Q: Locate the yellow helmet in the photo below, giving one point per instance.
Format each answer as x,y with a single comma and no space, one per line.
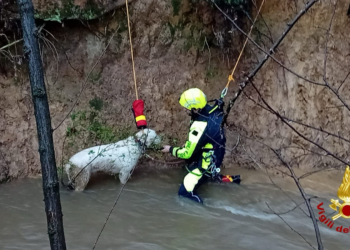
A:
193,99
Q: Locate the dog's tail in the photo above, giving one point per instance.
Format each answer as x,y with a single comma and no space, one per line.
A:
70,185
67,167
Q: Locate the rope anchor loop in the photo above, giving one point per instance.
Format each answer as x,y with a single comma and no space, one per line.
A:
224,91
230,78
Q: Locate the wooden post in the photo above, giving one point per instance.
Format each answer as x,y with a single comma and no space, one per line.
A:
43,122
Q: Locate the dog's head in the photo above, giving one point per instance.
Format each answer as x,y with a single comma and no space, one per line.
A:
148,136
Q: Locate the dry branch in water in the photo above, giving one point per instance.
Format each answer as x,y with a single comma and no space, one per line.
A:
307,200
290,226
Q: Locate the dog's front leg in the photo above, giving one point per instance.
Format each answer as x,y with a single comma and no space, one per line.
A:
124,176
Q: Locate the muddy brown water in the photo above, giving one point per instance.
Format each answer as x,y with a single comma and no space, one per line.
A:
150,215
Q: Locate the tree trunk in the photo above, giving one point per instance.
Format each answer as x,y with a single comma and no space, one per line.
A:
43,122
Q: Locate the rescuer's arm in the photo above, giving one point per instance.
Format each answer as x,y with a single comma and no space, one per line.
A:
196,133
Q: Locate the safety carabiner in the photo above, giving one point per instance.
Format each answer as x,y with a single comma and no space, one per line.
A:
224,92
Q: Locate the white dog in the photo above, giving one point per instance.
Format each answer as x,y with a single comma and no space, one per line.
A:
120,157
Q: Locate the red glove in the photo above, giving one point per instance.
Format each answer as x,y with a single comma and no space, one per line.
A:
140,118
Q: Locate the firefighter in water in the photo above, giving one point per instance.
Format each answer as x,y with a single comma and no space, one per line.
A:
204,149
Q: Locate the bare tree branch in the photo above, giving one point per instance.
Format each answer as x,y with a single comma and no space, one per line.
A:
252,158
327,40
243,84
258,30
335,92
307,201
262,18
341,84
10,44
86,80
301,123
307,215
337,95
295,130
282,172
273,49
314,172
290,226
295,207
318,129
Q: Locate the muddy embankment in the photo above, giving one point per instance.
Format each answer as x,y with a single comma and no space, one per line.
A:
178,44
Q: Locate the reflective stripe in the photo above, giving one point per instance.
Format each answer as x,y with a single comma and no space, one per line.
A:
140,117
196,196
208,146
211,111
191,180
175,149
206,159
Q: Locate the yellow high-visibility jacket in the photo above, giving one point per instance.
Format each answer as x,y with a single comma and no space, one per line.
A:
194,142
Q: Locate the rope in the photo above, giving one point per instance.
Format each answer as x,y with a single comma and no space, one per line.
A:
110,212
115,203
131,50
164,162
142,148
230,77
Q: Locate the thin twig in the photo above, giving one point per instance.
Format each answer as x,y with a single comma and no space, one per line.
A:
165,162
268,55
10,44
115,203
295,207
289,225
262,18
282,172
268,175
337,95
335,92
258,30
341,84
314,172
86,80
317,129
252,158
53,49
307,201
206,42
272,50
69,63
295,130
326,45
301,123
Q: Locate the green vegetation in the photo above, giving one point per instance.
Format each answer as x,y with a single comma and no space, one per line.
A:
123,25
174,28
193,42
71,11
88,124
94,77
194,38
96,104
87,128
176,6
211,72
